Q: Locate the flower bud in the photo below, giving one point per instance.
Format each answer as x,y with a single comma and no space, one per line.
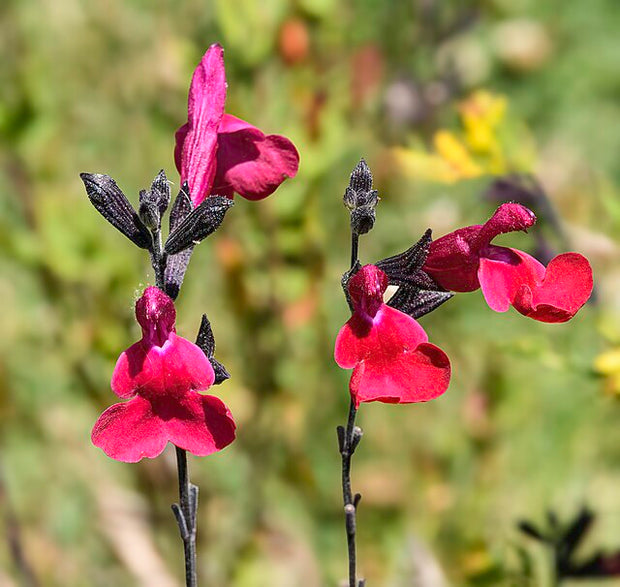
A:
361,199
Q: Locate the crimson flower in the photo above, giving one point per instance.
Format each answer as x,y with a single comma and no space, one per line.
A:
392,360
217,153
465,260
163,373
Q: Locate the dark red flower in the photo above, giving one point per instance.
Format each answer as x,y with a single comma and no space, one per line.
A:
163,373
217,153
389,352
465,260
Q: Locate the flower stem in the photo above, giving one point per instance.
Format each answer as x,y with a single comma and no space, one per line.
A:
348,439
158,260
185,513
355,238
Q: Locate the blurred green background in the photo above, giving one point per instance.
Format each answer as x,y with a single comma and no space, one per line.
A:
531,419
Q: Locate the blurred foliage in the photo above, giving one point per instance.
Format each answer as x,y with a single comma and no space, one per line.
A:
102,86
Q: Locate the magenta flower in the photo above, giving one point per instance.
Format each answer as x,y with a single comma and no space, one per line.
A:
465,260
389,352
217,153
163,373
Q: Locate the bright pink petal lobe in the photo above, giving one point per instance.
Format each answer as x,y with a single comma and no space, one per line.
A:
555,294
151,371
196,141
251,163
200,424
453,259
503,271
566,287
129,431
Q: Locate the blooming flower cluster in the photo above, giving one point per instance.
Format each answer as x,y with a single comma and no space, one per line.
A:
162,374
388,350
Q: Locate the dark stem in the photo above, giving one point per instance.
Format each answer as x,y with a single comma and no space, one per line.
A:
354,248
158,259
185,510
347,448
185,513
348,439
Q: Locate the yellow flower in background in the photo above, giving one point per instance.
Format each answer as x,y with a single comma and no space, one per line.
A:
455,155
607,364
449,164
418,164
481,114
485,145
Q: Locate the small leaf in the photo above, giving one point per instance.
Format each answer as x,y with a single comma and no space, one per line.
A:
221,373
198,225
206,341
112,204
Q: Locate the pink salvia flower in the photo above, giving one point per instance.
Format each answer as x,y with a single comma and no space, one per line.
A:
465,260
163,373
217,153
389,352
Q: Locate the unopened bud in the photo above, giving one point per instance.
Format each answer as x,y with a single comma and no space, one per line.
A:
363,219
361,199
149,211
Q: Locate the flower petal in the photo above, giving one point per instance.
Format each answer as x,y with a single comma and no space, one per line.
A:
201,424
410,377
503,271
129,431
553,294
566,287
128,366
196,141
172,369
393,361
251,163
387,335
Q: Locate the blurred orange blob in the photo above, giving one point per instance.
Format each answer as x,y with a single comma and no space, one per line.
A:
294,41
